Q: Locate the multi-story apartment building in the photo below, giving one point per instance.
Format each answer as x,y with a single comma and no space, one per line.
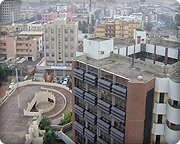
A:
25,44
28,14
34,26
60,44
10,10
118,99
117,29
149,17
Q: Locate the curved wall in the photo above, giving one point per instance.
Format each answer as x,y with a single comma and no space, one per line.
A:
173,114
174,90
171,136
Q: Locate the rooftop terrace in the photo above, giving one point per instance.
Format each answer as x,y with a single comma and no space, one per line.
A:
122,65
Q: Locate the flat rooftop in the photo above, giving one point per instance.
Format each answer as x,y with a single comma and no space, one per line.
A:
31,33
98,39
121,65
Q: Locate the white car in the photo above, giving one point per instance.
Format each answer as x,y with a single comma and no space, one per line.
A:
11,85
64,82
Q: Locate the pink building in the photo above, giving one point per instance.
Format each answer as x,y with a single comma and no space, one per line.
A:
46,17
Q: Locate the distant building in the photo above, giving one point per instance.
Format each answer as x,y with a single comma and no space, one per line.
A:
150,17
142,1
25,44
28,14
10,11
117,29
60,45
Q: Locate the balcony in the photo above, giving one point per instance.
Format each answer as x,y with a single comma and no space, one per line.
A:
79,110
159,108
117,135
79,74
78,127
90,99
104,106
173,113
103,126
101,141
90,136
158,129
105,85
90,79
79,93
118,114
171,134
90,117
119,92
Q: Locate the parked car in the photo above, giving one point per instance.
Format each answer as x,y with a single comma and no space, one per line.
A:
55,80
65,82
11,85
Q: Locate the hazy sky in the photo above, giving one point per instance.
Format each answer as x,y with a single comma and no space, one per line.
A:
2,0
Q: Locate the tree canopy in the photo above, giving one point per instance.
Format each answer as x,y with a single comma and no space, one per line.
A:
4,73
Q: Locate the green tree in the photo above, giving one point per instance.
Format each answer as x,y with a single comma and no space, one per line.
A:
4,73
70,85
67,118
177,19
148,26
49,137
45,123
83,27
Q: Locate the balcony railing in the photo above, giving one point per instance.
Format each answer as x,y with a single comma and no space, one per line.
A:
118,114
103,126
92,119
79,74
79,93
78,127
91,79
119,92
105,85
89,98
104,106
90,135
79,110
117,135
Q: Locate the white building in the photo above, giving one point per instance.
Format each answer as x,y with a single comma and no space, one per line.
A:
102,47
139,36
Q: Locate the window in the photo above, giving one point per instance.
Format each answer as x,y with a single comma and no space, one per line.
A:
160,119
119,125
92,128
52,54
80,84
30,50
80,102
105,137
92,109
80,138
161,98
119,103
106,97
158,137
79,119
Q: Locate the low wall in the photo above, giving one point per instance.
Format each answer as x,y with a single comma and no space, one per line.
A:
42,97
29,82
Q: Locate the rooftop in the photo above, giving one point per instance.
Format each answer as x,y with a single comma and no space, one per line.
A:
122,65
99,39
31,33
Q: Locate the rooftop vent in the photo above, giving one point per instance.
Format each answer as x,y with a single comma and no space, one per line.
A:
140,78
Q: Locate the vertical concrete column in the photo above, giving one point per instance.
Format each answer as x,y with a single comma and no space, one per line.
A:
166,56
154,54
134,51
126,51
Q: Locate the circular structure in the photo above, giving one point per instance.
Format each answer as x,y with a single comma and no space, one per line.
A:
44,101
14,129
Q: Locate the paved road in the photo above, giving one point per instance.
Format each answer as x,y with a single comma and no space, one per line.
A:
13,129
